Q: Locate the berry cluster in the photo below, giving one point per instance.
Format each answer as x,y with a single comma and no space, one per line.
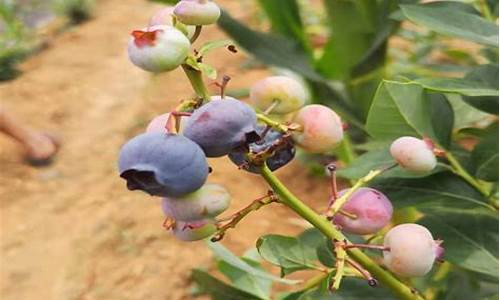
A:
169,160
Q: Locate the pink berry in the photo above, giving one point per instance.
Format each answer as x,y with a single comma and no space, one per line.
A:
197,12
413,154
412,250
158,48
321,128
158,124
208,202
288,94
164,17
372,209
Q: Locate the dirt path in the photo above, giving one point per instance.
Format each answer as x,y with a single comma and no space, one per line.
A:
72,231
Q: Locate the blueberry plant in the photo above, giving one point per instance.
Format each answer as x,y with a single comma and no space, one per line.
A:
421,153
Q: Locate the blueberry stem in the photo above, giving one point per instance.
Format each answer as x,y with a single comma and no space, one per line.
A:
460,171
268,121
271,107
367,246
337,205
238,216
196,80
197,32
322,224
340,259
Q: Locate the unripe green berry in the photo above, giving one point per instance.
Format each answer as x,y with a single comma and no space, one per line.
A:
288,94
413,154
208,202
158,48
321,130
197,12
194,231
412,250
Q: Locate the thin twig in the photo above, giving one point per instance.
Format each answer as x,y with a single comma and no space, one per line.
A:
238,216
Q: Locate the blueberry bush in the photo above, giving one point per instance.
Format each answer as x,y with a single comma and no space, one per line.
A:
415,136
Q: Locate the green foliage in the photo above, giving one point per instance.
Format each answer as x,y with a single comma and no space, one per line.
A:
13,41
77,11
387,93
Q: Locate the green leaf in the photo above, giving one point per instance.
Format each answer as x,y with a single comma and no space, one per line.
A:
225,255
208,70
453,22
212,45
485,156
379,159
488,76
437,193
287,252
404,109
287,53
463,285
258,286
285,19
466,87
218,289
465,114
470,241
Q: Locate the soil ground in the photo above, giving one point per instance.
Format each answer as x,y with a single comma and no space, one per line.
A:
72,230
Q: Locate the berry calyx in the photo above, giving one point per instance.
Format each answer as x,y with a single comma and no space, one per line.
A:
158,48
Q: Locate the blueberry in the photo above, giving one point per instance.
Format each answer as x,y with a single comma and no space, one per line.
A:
281,157
372,209
163,164
197,12
208,202
413,154
221,125
194,231
412,250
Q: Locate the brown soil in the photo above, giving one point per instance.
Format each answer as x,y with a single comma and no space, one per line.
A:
73,231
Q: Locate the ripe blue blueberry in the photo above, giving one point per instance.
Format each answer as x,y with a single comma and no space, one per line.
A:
163,164
281,156
221,125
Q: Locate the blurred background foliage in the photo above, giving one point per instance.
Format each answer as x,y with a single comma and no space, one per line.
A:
27,25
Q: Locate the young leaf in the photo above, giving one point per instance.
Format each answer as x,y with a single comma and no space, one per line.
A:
218,289
225,255
208,70
212,45
287,252
453,22
485,156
